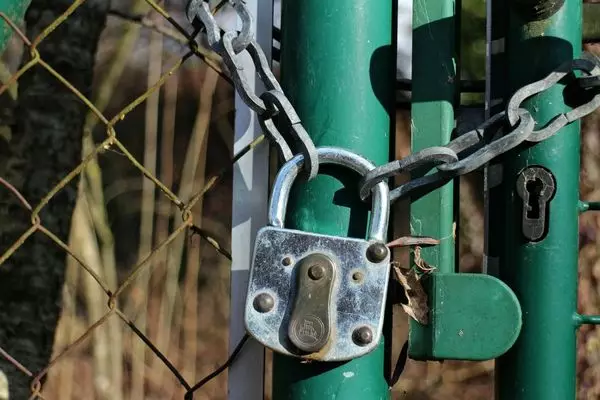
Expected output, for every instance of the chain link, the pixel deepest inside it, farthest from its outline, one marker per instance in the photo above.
(496, 136)
(427, 157)
(272, 102)
(584, 65)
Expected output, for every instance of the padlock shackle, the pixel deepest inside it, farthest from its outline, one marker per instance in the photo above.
(380, 209)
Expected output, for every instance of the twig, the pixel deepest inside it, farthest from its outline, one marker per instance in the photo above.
(190, 288)
(93, 176)
(175, 255)
(165, 211)
(65, 331)
(5, 75)
(147, 211)
(95, 302)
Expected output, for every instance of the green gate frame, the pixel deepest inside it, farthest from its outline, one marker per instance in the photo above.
(338, 59)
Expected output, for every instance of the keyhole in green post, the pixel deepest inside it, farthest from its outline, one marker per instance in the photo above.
(534, 188)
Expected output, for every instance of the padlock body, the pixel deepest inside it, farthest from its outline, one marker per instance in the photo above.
(355, 303)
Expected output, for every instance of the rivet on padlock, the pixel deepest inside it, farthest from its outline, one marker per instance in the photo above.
(317, 296)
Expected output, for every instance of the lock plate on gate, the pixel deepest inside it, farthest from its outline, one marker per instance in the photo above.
(318, 296)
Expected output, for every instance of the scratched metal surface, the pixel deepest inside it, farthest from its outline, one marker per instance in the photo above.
(354, 304)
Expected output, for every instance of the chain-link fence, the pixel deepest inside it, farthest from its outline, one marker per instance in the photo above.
(159, 21)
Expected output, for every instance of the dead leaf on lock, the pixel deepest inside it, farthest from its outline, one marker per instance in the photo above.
(416, 306)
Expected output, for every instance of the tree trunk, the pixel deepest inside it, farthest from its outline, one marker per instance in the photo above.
(45, 146)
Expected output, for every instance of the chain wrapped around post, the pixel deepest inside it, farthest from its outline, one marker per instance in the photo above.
(496, 136)
(271, 103)
(468, 152)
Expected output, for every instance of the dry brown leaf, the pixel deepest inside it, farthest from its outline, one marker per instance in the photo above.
(420, 262)
(413, 241)
(417, 306)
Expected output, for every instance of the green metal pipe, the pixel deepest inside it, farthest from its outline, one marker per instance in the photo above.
(433, 98)
(587, 319)
(588, 206)
(543, 275)
(14, 10)
(434, 94)
(338, 69)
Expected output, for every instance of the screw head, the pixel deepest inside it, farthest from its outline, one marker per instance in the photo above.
(377, 252)
(263, 303)
(357, 276)
(287, 261)
(362, 336)
(316, 272)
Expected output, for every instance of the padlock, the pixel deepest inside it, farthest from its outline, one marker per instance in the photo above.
(315, 296)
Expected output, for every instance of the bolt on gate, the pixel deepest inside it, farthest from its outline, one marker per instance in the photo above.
(316, 285)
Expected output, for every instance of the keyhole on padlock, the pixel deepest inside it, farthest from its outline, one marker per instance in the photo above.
(534, 187)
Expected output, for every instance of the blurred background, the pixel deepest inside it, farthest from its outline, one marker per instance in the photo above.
(183, 134)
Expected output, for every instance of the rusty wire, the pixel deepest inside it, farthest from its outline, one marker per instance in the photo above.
(177, 32)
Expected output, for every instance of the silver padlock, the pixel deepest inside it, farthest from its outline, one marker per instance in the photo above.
(317, 296)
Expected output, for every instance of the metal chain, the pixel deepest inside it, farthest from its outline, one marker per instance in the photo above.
(272, 102)
(585, 65)
(496, 136)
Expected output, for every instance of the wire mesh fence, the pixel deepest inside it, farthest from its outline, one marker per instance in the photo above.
(160, 21)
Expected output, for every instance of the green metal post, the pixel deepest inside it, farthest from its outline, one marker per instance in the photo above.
(14, 10)
(543, 275)
(433, 98)
(495, 102)
(338, 69)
